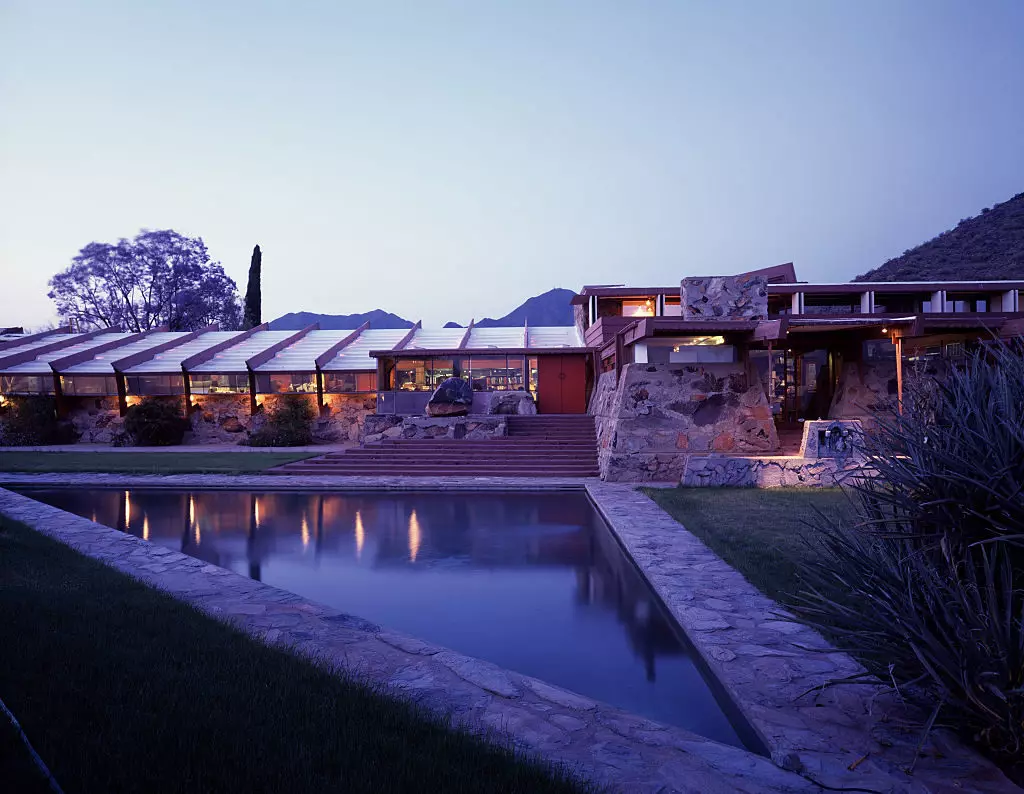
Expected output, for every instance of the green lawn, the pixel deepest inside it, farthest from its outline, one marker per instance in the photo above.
(122, 688)
(761, 532)
(148, 462)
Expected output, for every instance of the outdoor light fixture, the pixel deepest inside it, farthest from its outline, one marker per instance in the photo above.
(885, 330)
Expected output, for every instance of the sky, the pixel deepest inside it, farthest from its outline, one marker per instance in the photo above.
(445, 160)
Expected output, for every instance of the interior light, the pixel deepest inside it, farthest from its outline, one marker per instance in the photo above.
(885, 330)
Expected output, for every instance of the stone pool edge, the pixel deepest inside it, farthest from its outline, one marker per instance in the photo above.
(767, 662)
(601, 743)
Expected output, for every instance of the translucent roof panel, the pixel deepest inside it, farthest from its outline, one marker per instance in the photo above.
(435, 339)
(551, 336)
(35, 344)
(233, 359)
(169, 362)
(301, 356)
(41, 364)
(496, 337)
(356, 356)
(101, 363)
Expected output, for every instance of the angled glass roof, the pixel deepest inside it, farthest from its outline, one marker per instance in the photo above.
(301, 356)
(435, 338)
(233, 359)
(496, 337)
(101, 363)
(34, 344)
(41, 364)
(169, 362)
(356, 356)
(553, 336)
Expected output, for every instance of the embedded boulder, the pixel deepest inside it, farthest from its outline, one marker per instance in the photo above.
(512, 403)
(454, 397)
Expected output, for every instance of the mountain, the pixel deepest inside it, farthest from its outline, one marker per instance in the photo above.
(989, 246)
(550, 308)
(294, 321)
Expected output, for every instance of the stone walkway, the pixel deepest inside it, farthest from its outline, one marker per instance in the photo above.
(760, 656)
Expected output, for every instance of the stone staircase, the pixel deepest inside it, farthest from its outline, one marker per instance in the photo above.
(536, 446)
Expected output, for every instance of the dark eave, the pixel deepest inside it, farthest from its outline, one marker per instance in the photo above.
(449, 352)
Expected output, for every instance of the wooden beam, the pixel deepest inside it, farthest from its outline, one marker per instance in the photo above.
(265, 355)
(205, 355)
(408, 337)
(130, 361)
(13, 359)
(77, 358)
(328, 355)
(899, 374)
(464, 342)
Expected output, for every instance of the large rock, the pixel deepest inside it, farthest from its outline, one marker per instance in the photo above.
(511, 403)
(454, 397)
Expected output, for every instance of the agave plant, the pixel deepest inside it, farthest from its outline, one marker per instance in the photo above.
(932, 574)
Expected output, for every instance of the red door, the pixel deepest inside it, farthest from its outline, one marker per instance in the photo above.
(561, 385)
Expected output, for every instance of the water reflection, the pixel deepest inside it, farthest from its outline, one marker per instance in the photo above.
(533, 582)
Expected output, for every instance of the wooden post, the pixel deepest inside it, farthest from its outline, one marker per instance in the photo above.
(122, 393)
(253, 405)
(319, 391)
(186, 383)
(899, 374)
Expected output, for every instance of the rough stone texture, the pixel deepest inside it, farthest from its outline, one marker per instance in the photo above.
(221, 419)
(378, 427)
(777, 671)
(658, 414)
(510, 403)
(453, 397)
(768, 471)
(579, 318)
(725, 298)
(865, 388)
(97, 420)
(832, 438)
(596, 741)
(764, 659)
(343, 417)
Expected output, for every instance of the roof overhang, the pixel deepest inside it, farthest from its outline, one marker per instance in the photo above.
(647, 327)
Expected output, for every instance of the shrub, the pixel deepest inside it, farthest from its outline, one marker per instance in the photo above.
(936, 563)
(289, 424)
(155, 423)
(30, 421)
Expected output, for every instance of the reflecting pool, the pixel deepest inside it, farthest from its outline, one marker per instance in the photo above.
(534, 582)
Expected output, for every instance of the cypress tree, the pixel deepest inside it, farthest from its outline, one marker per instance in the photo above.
(253, 298)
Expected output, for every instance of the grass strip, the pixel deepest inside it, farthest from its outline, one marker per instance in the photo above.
(123, 688)
(147, 462)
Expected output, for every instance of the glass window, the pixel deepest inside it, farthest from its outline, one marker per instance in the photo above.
(516, 373)
(155, 384)
(531, 365)
(641, 308)
(879, 350)
(26, 384)
(488, 374)
(411, 374)
(350, 382)
(219, 383)
(287, 383)
(441, 368)
(88, 385)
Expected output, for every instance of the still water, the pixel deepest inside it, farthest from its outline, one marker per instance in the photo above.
(532, 582)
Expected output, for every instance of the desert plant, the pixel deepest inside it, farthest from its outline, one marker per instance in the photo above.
(289, 424)
(155, 423)
(32, 420)
(935, 565)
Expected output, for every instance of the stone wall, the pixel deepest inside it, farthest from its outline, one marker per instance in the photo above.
(343, 417)
(865, 388)
(378, 427)
(220, 419)
(97, 420)
(768, 471)
(658, 414)
(725, 298)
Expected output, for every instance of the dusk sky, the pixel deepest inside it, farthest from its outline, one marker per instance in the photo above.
(449, 159)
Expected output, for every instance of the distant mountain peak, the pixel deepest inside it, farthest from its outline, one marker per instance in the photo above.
(987, 247)
(378, 318)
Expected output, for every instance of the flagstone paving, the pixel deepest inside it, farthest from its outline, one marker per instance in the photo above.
(764, 660)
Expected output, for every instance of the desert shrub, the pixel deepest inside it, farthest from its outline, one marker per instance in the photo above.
(155, 423)
(935, 565)
(32, 420)
(289, 424)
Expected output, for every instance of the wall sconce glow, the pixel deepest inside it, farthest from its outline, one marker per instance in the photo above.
(415, 536)
(360, 535)
(885, 330)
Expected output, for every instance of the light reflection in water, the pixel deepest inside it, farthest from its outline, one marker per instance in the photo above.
(128, 510)
(145, 526)
(360, 535)
(305, 531)
(415, 537)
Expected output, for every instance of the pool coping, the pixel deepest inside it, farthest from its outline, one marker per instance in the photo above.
(598, 742)
(763, 660)
(777, 671)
